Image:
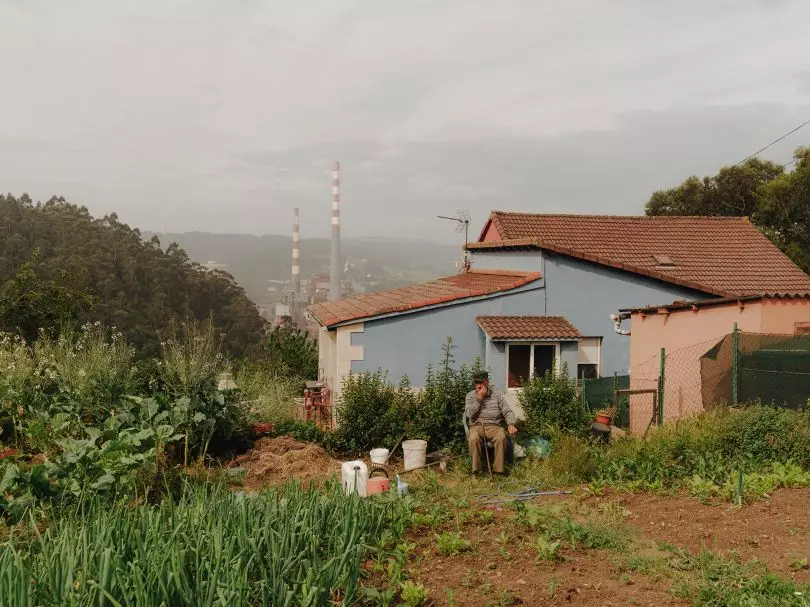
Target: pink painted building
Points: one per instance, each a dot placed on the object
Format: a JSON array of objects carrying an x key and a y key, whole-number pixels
[{"x": 688, "y": 331}]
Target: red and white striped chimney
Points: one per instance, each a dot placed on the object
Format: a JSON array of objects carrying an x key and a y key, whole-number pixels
[
  {"x": 296, "y": 256},
  {"x": 334, "y": 275}
]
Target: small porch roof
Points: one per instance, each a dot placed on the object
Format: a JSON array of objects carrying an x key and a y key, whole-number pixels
[{"x": 528, "y": 328}]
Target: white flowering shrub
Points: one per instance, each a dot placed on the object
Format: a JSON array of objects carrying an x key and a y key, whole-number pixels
[
  {"x": 191, "y": 359},
  {"x": 93, "y": 368}
]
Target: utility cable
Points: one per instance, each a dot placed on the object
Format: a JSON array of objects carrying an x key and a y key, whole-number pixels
[{"x": 772, "y": 142}]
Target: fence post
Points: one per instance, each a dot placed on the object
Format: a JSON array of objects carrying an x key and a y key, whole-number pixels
[
  {"x": 735, "y": 377},
  {"x": 582, "y": 395},
  {"x": 661, "y": 386}
]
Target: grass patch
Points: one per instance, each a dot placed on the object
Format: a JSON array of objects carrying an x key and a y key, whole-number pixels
[{"x": 711, "y": 581}]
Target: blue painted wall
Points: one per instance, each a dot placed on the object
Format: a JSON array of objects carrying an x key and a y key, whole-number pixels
[
  {"x": 587, "y": 293},
  {"x": 405, "y": 344},
  {"x": 583, "y": 292}
]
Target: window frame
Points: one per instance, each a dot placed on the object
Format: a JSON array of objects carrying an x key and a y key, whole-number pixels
[
  {"x": 532, "y": 344},
  {"x": 598, "y": 354}
]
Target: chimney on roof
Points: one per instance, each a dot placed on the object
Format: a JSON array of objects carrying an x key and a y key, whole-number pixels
[
  {"x": 334, "y": 277},
  {"x": 296, "y": 257}
]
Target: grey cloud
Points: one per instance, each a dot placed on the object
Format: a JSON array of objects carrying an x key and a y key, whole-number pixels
[{"x": 223, "y": 115}]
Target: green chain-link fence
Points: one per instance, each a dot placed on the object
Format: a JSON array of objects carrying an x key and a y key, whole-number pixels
[
  {"x": 757, "y": 367},
  {"x": 600, "y": 393}
]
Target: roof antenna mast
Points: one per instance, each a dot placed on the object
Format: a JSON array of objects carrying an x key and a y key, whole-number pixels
[{"x": 462, "y": 220}]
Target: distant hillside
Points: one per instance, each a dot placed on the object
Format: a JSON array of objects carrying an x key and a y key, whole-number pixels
[{"x": 376, "y": 262}]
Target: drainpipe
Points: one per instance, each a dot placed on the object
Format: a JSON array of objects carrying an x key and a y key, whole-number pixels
[{"x": 617, "y": 323}]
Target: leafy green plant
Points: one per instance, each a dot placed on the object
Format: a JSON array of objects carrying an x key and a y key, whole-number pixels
[
  {"x": 451, "y": 543},
  {"x": 412, "y": 594},
  {"x": 546, "y": 548},
  {"x": 550, "y": 403}
]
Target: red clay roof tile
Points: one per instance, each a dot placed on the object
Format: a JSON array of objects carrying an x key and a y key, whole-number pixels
[
  {"x": 723, "y": 256},
  {"x": 473, "y": 283},
  {"x": 505, "y": 328}
]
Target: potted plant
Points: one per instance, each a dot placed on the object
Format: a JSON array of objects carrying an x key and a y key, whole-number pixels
[{"x": 605, "y": 415}]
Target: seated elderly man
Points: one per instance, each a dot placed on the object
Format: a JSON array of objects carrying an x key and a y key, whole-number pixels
[{"x": 487, "y": 413}]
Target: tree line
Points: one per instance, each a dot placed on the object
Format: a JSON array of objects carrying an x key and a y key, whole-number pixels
[{"x": 61, "y": 268}]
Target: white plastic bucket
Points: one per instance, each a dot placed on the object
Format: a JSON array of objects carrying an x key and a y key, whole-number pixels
[
  {"x": 379, "y": 456},
  {"x": 415, "y": 452}
]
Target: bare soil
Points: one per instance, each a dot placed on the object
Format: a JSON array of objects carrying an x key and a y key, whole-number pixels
[
  {"x": 773, "y": 530},
  {"x": 274, "y": 461}
]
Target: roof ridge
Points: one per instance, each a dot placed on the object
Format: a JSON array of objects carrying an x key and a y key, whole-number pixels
[{"x": 735, "y": 218}]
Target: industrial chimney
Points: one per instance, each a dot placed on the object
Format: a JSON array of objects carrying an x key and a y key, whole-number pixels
[
  {"x": 296, "y": 257},
  {"x": 334, "y": 276}
]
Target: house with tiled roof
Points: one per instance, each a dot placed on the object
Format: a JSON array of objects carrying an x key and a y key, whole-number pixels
[{"x": 540, "y": 291}]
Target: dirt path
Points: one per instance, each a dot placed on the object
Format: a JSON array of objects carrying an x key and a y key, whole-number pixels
[
  {"x": 505, "y": 571},
  {"x": 774, "y": 530}
]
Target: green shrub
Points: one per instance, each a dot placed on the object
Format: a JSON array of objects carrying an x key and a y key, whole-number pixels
[
  {"x": 709, "y": 447},
  {"x": 368, "y": 413},
  {"x": 92, "y": 369},
  {"x": 550, "y": 403},
  {"x": 372, "y": 412},
  {"x": 290, "y": 352},
  {"x": 440, "y": 406}
]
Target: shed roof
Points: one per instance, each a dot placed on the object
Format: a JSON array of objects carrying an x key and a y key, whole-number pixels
[
  {"x": 518, "y": 328},
  {"x": 723, "y": 256},
  {"x": 469, "y": 284},
  {"x": 706, "y": 303}
]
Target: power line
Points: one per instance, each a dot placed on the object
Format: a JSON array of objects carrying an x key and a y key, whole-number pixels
[
  {"x": 787, "y": 164},
  {"x": 772, "y": 142}
]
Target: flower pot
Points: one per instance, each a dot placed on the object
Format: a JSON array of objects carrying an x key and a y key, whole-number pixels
[{"x": 601, "y": 418}]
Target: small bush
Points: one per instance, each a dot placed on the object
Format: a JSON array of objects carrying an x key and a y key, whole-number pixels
[
  {"x": 550, "y": 404},
  {"x": 372, "y": 412},
  {"x": 367, "y": 412},
  {"x": 290, "y": 352}
]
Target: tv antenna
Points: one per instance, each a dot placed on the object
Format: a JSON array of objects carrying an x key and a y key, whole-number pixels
[{"x": 462, "y": 220}]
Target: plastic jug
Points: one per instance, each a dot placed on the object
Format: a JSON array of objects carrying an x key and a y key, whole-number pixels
[{"x": 355, "y": 477}]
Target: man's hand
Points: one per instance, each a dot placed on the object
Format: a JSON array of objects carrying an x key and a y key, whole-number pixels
[{"x": 512, "y": 430}]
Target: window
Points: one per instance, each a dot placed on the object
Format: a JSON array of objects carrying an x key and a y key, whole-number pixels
[
  {"x": 801, "y": 328},
  {"x": 589, "y": 358},
  {"x": 525, "y": 361}
]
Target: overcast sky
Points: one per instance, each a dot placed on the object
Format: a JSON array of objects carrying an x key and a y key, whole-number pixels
[{"x": 222, "y": 116}]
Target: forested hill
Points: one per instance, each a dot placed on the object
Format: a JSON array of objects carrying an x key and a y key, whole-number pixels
[{"x": 59, "y": 265}]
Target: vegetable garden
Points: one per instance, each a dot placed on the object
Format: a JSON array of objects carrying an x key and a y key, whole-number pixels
[{"x": 112, "y": 492}]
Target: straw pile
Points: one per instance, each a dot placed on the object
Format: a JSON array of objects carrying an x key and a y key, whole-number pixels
[{"x": 273, "y": 461}]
